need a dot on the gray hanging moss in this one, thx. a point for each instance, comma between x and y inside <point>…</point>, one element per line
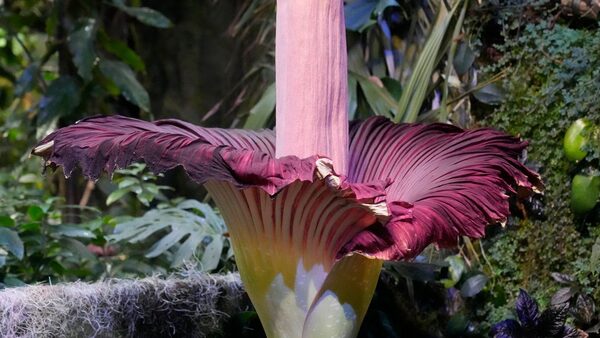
<point>191,304</point>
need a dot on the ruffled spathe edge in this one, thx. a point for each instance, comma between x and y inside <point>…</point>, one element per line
<point>447,182</point>
<point>423,183</point>
<point>105,144</point>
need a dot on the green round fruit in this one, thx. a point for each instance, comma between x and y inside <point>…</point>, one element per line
<point>585,191</point>
<point>576,138</point>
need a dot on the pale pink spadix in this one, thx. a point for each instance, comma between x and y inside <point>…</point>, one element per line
<point>311,80</point>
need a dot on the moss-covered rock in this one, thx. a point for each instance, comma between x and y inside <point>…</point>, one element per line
<point>553,79</point>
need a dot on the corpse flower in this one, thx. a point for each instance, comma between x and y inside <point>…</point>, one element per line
<point>314,207</point>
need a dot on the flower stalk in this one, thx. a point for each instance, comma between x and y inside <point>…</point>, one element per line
<point>311,80</point>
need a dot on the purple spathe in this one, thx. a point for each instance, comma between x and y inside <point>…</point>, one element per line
<point>438,182</point>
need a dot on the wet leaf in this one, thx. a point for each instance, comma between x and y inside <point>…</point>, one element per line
<point>116,195</point>
<point>416,271</point>
<point>562,278</point>
<point>124,78</point>
<point>456,269</point>
<point>562,296</point>
<point>211,255</point>
<point>77,248</point>
<point>10,240</point>
<point>464,58</point>
<point>27,80</point>
<point>81,46</point>
<point>473,285</point>
<point>527,310</point>
<point>358,13</point>
<point>145,15</point>
<point>35,213</point>
<point>187,232</point>
<point>377,96</point>
<point>584,309</point>
<point>263,110</point>
<point>491,94</point>
<point>6,221</point>
<point>61,99</point>
<point>122,51</point>
<point>71,230</point>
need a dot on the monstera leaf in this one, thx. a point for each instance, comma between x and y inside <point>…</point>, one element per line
<point>191,227</point>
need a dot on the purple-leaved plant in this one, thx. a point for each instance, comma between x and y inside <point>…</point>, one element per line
<point>532,323</point>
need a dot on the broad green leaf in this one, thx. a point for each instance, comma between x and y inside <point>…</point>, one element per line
<point>145,15</point>
<point>263,110</point>
<point>133,169</point>
<point>116,195</point>
<point>214,220</point>
<point>6,221</point>
<point>423,272</point>
<point>61,98</point>
<point>463,58</point>
<point>124,78</point>
<point>377,96</point>
<point>58,268</point>
<point>212,253</point>
<point>473,285</point>
<point>358,13</point>
<point>31,226</point>
<point>187,227</point>
<point>35,213</point>
<point>491,94</point>
<point>77,248</point>
<point>27,80</point>
<point>71,230</point>
<point>393,86</point>
<point>52,21</point>
<point>128,181</point>
<point>29,178</point>
<point>139,267</point>
<point>165,243</point>
<point>456,269</point>
<point>122,51</point>
<point>81,46</point>
<point>10,240</point>
<point>12,281</point>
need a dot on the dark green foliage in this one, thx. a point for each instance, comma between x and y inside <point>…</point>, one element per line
<point>553,79</point>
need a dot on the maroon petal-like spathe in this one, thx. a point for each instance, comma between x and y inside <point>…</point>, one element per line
<point>243,158</point>
<point>446,182</point>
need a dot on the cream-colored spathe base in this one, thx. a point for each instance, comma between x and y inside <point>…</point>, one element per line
<point>311,311</point>
<point>330,318</point>
<point>286,246</point>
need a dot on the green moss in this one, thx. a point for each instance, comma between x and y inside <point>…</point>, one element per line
<point>554,78</point>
